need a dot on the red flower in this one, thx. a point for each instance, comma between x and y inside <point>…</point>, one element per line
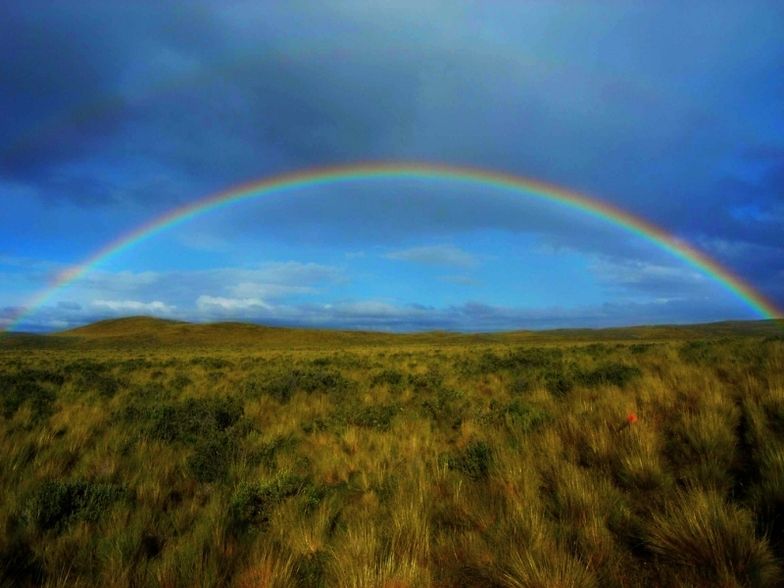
<point>631,418</point>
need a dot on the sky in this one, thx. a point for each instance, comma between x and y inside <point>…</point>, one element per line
<point>113,114</point>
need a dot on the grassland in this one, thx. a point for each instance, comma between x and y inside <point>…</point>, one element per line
<point>147,453</point>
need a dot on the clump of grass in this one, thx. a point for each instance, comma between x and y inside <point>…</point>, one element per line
<point>55,505</point>
<point>24,389</point>
<point>473,460</point>
<point>699,529</point>
<point>283,386</point>
<point>392,378</point>
<point>447,409</point>
<point>517,416</point>
<point>617,374</point>
<point>251,504</point>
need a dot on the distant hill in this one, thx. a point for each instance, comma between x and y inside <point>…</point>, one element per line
<point>150,332</point>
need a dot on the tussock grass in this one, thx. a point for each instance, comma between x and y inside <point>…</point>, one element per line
<point>132,458</point>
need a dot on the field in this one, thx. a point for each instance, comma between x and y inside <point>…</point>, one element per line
<point>147,453</point>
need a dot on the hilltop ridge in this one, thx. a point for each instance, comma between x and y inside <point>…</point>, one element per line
<point>155,332</point>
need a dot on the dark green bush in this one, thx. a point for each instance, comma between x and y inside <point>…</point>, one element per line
<point>517,416</point>
<point>473,460</point>
<point>266,454</point>
<point>283,387</point>
<point>193,419</point>
<point>558,383</point>
<point>23,388</point>
<point>54,505</point>
<point>522,384</point>
<point>698,352</point>
<point>213,363</point>
<point>105,385</point>
<point>617,374</point>
<point>596,350</point>
<point>447,409</point>
<point>391,377</point>
<point>252,503</point>
<point>534,358</point>
<point>211,458</point>
<point>132,365</point>
<point>377,417</point>
<point>428,382</point>
<point>640,348</point>
<point>180,382</point>
<point>311,569</point>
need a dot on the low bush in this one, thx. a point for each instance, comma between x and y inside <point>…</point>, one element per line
<point>447,409</point>
<point>473,460</point>
<point>252,503</point>
<point>190,420</point>
<point>377,417</point>
<point>212,457</point>
<point>427,382</point>
<point>392,378</point>
<point>517,416</point>
<point>54,505</point>
<point>617,374</point>
<point>212,363</point>
<point>24,389</point>
<point>283,387</point>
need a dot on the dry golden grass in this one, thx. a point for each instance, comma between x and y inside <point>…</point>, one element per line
<point>136,453</point>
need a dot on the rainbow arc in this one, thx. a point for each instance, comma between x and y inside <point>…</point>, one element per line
<point>291,182</point>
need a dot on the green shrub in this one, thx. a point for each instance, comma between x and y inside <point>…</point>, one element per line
<point>640,348</point>
<point>698,352</point>
<point>23,388</point>
<point>190,420</point>
<point>377,417</point>
<point>54,505</point>
<point>522,384</point>
<point>392,378</point>
<point>311,569</point>
<point>283,387</point>
<point>447,409</point>
<point>430,381</point>
<point>617,374</point>
<point>558,383</point>
<point>251,505</point>
<point>104,385</point>
<point>180,382</point>
<point>517,416</point>
<point>211,458</point>
<point>212,363</point>
<point>473,460</point>
<point>265,454</point>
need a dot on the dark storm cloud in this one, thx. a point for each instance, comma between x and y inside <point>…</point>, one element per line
<point>671,112</point>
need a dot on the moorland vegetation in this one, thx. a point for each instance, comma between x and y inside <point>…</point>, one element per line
<point>378,461</point>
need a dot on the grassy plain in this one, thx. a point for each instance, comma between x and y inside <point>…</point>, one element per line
<point>148,453</point>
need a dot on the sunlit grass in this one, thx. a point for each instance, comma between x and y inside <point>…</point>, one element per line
<point>433,461</point>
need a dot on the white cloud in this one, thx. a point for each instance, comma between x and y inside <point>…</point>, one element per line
<point>448,255</point>
<point>211,303</point>
<point>255,290</point>
<point>134,306</point>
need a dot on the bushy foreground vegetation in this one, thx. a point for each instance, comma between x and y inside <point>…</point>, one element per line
<point>607,464</point>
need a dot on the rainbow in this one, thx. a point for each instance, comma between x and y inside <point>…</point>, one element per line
<point>355,173</point>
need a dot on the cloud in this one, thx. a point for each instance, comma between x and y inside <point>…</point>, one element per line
<point>210,303</point>
<point>133,306</point>
<point>436,255</point>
